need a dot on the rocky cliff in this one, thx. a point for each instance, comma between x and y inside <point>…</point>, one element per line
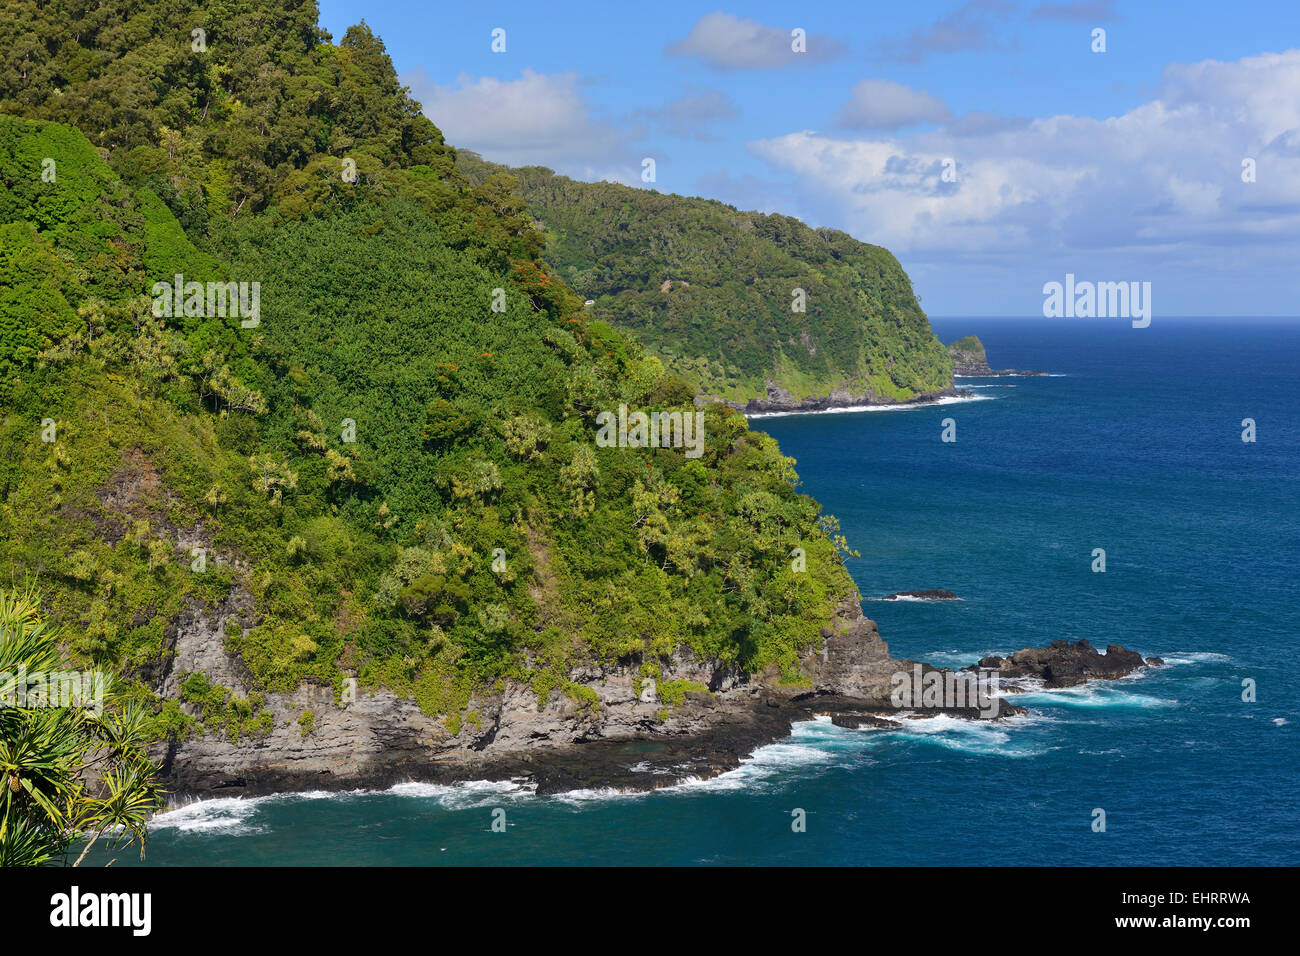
<point>623,734</point>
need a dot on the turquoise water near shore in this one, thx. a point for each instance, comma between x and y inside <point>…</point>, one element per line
<point>1133,445</point>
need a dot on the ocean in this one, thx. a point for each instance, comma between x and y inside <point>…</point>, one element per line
<point>1132,445</point>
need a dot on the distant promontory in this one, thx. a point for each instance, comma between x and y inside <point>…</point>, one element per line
<point>970,361</point>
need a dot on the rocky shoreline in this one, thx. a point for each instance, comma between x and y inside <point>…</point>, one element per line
<point>780,400</point>
<point>628,741</point>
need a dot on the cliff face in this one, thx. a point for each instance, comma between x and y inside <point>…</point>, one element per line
<point>594,738</point>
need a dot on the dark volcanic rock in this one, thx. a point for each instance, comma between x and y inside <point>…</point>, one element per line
<point>854,721</point>
<point>933,594</point>
<point>1062,664</point>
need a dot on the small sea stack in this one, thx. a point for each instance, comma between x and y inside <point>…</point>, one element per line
<point>1062,664</point>
<point>969,360</point>
<point>933,594</point>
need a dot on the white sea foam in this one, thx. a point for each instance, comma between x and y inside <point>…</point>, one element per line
<point>461,796</point>
<point>812,743</point>
<point>226,815</point>
<point>236,815</point>
<point>1196,657</point>
<point>981,737</point>
<point>1094,694</point>
<point>598,793</point>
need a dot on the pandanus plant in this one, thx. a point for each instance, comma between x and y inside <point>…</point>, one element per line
<point>70,770</point>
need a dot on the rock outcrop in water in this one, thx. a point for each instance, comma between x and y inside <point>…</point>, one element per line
<point>932,594</point>
<point>970,361</point>
<point>1062,664</point>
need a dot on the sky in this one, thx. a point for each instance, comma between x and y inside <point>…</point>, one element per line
<point>990,145</point>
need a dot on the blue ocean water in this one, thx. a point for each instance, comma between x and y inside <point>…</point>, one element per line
<point>1134,446</point>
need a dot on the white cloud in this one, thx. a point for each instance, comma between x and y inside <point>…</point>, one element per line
<point>1161,180</point>
<point>538,119</point>
<point>880,104</point>
<point>731,43</point>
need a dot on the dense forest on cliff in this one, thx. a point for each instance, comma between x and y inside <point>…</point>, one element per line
<point>390,472</point>
<point>712,290</point>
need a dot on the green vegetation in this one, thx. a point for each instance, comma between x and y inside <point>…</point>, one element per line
<point>222,711</point>
<point>586,698</point>
<point>968,351</point>
<point>673,692</point>
<point>336,484</point>
<point>710,290</point>
<point>67,773</point>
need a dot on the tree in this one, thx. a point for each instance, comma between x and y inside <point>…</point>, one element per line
<point>68,772</point>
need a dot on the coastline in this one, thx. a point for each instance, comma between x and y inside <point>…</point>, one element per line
<point>379,739</point>
<point>844,402</point>
<point>626,743</point>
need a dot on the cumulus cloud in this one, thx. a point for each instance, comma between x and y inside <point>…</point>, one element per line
<point>728,42</point>
<point>1165,176</point>
<point>539,119</point>
<point>880,104</point>
<point>690,114</point>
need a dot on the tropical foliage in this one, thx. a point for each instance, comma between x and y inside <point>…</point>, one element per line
<point>68,774</point>
<point>392,474</point>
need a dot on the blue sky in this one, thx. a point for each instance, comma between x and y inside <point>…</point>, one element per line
<point>1123,165</point>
